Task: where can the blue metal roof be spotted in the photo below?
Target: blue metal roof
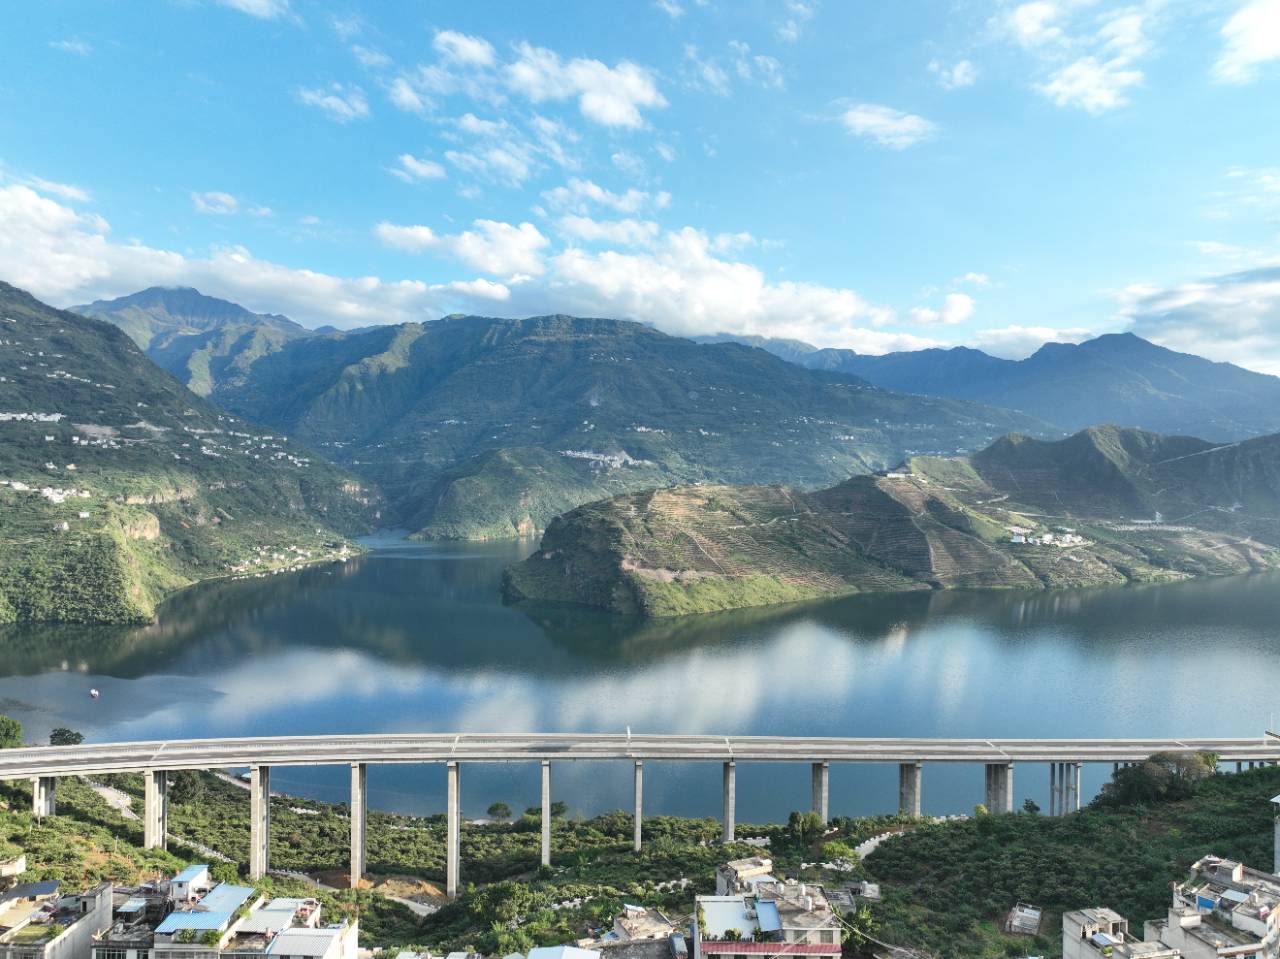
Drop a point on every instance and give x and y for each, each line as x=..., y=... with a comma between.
x=214, y=911
x=767, y=916
x=226, y=898
x=133, y=905
x=191, y=873
x=199, y=921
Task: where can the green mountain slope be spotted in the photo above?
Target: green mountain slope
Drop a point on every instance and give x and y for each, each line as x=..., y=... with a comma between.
x=120, y=485
x=478, y=427
x=1106, y=506
x=1116, y=378
x=204, y=341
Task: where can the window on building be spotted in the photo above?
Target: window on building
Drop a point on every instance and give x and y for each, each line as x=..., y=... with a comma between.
x=110, y=954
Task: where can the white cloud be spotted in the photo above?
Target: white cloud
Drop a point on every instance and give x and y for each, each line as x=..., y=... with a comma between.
x=670, y=8
x=1019, y=342
x=67, y=191
x=581, y=195
x=263, y=211
x=1249, y=38
x=977, y=279
x=1092, y=85
x=625, y=232
x=215, y=202
x=370, y=57
x=403, y=95
x=1233, y=317
x=1036, y=24
x=66, y=257
x=263, y=9
x=72, y=45
x=461, y=48
x=800, y=11
x=1083, y=59
x=956, y=308
x=611, y=96
x=410, y=169
x=508, y=163
x=342, y=103
x=679, y=282
x=666, y=151
x=682, y=287
x=960, y=74
x=492, y=247
x=887, y=126
x=628, y=163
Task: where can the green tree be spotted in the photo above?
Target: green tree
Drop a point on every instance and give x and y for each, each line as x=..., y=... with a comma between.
x=10, y=733
x=1163, y=777
x=499, y=810
x=805, y=828
x=1030, y=806
x=62, y=736
x=858, y=924
x=559, y=809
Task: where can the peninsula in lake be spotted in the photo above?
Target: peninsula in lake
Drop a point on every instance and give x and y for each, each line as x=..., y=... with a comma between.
x=1106, y=506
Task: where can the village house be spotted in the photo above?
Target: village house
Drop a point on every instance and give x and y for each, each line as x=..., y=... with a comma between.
x=763, y=916
x=1224, y=908
x=38, y=922
x=191, y=917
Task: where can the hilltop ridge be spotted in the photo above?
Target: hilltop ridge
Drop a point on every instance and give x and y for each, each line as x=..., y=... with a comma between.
x=1105, y=506
x=1113, y=378
x=118, y=485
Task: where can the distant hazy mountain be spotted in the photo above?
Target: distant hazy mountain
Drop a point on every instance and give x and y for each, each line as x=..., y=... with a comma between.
x=478, y=427
x=120, y=485
x=202, y=340
x=1105, y=506
x=1117, y=378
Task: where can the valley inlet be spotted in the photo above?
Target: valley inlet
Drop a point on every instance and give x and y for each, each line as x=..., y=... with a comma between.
x=414, y=637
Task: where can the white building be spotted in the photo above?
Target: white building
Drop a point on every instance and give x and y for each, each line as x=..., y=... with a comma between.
x=1223, y=909
x=1102, y=933
x=39, y=923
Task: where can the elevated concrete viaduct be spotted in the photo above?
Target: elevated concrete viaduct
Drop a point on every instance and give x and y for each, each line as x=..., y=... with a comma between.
x=156, y=760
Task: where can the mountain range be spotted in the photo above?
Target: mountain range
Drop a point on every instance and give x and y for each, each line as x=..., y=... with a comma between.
x=119, y=485
x=201, y=340
x=477, y=427
x=1117, y=378
x=1105, y=506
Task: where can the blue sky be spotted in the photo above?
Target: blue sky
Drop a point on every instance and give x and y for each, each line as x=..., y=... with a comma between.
x=876, y=176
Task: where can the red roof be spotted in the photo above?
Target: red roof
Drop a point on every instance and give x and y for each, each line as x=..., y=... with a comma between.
x=725, y=947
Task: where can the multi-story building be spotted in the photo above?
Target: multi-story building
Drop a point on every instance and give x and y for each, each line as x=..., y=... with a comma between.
x=38, y=922
x=1223, y=909
x=774, y=918
x=1102, y=933
x=183, y=918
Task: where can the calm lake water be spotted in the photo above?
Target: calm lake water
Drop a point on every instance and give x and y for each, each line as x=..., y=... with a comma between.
x=414, y=637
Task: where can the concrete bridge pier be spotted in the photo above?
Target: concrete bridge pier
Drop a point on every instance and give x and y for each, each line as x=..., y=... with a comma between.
x=820, y=787
x=259, y=821
x=44, y=793
x=999, y=795
x=1075, y=769
x=730, y=800
x=359, y=822
x=155, y=809
x=546, y=812
x=639, y=784
x=453, y=834
x=1053, y=789
x=909, y=789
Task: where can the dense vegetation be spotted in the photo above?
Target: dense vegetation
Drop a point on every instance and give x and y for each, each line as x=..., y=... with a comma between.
x=117, y=485
x=1116, y=378
x=938, y=523
x=480, y=428
x=201, y=340
x=945, y=885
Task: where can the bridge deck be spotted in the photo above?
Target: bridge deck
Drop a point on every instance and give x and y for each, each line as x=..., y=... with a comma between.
x=96, y=758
